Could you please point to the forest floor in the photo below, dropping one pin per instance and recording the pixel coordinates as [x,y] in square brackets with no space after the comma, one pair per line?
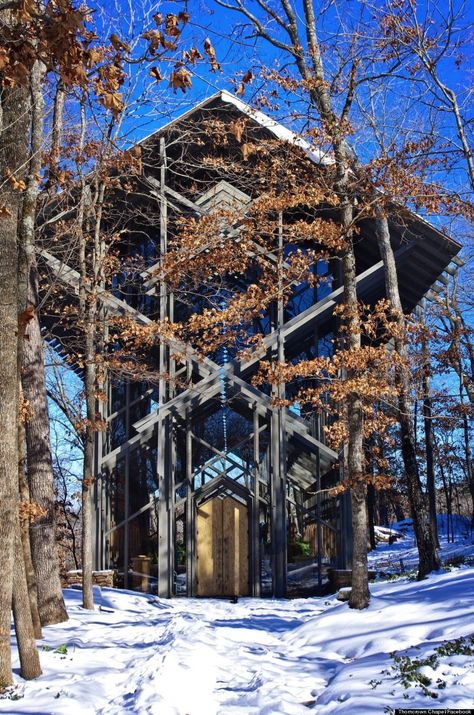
[139,654]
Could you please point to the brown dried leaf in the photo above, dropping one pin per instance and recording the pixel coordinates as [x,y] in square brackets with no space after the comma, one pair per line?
[210,52]
[118,44]
[172,25]
[113,101]
[16,184]
[180,79]
[30,511]
[4,59]
[156,74]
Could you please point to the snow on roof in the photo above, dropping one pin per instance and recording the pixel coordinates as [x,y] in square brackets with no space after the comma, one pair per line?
[280,131]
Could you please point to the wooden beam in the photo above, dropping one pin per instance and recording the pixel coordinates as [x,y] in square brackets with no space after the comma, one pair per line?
[70,277]
[166,511]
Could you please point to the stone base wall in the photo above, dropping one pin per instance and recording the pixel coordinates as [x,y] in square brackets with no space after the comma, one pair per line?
[99,578]
[341,578]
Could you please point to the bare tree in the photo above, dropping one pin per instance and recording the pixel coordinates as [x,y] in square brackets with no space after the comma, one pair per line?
[39,462]
[14,121]
[430,40]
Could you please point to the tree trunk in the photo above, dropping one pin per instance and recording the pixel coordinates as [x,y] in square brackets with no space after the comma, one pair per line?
[383,507]
[40,476]
[428,425]
[87,481]
[25,537]
[398,508]
[302,29]
[57,128]
[13,153]
[428,556]
[371,516]
[87,316]
[360,595]
[39,461]
[343,155]
[25,635]
[8,422]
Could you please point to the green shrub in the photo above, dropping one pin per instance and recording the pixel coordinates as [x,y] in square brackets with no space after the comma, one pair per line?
[298,548]
[458,646]
[409,668]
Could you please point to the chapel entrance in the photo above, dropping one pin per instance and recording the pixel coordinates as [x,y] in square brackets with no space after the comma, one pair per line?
[222,548]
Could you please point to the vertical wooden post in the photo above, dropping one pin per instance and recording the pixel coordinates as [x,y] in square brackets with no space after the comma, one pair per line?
[190,520]
[165,474]
[98,491]
[97,511]
[278,454]
[255,514]
[127,513]
[97,539]
[318,504]
[278,510]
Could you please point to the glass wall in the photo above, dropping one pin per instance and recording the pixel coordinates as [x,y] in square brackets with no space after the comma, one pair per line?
[132,505]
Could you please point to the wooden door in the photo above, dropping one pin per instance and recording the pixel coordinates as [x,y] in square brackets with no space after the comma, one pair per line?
[222,548]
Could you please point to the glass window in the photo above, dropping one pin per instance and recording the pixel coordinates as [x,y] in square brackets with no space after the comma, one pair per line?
[118,431]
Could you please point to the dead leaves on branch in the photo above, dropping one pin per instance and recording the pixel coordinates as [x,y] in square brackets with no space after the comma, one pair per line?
[378,480]
[401,174]
[96,425]
[180,79]
[25,410]
[365,374]
[246,79]
[30,511]
[16,184]
[156,74]
[118,44]
[211,54]
[57,34]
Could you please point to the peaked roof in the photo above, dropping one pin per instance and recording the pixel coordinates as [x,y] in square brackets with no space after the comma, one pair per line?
[425,228]
[266,122]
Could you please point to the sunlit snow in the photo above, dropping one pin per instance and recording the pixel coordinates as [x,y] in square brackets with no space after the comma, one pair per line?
[140,654]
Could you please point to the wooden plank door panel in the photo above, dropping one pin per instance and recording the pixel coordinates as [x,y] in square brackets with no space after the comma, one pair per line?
[209,548]
[236,549]
[222,548]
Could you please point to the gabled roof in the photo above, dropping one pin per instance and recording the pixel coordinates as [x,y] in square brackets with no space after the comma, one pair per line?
[283,133]
[266,122]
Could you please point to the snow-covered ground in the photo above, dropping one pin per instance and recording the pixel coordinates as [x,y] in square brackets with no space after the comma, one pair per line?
[402,555]
[138,654]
